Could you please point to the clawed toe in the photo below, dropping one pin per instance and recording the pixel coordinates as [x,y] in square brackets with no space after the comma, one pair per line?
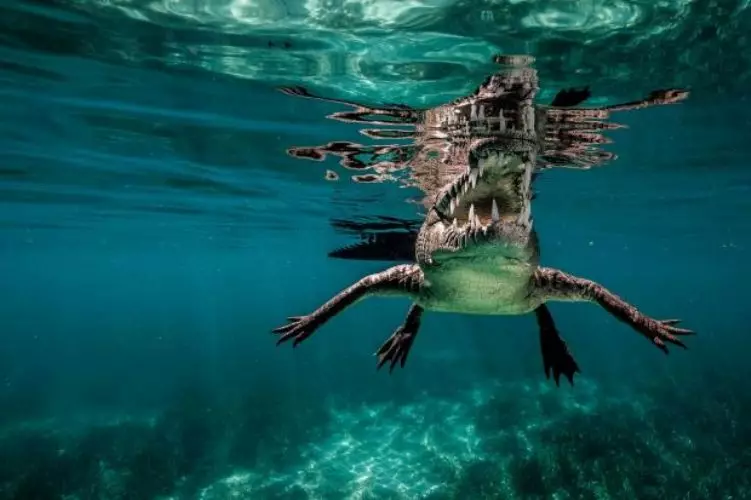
[673,321]
[662,331]
[669,325]
[395,349]
[297,327]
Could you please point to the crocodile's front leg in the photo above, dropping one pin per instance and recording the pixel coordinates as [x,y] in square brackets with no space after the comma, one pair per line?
[396,348]
[362,113]
[555,353]
[552,284]
[398,280]
[655,98]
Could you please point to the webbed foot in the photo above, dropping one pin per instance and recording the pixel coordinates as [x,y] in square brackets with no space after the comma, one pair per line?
[556,356]
[397,347]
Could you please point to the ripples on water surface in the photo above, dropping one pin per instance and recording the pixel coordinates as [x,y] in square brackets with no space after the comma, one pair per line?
[153,230]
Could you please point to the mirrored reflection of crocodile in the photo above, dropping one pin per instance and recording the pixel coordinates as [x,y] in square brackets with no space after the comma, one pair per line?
[571,138]
[476,251]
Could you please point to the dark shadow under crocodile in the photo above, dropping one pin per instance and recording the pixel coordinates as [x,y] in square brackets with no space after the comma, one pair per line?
[476,251]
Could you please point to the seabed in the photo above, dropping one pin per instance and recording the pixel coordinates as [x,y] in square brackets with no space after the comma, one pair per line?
[497,440]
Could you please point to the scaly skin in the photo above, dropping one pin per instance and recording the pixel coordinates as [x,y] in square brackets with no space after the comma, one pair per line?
[476,251]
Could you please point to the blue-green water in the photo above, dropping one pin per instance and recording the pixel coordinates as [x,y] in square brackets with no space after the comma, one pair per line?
[153,232]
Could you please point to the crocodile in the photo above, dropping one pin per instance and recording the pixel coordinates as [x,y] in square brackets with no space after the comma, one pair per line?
[476,251]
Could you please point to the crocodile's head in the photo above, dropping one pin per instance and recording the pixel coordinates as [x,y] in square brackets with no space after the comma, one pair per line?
[489,203]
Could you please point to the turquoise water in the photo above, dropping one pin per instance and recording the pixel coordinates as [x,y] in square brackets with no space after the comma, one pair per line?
[154,230]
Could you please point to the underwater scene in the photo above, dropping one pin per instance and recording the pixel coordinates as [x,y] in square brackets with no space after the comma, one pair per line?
[375,249]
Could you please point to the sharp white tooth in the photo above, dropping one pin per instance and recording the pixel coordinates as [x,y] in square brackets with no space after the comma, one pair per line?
[478,222]
[455,224]
[473,178]
[496,214]
[452,206]
[472,214]
[482,168]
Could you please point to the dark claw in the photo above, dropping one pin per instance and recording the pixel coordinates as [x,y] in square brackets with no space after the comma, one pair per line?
[382,359]
[396,348]
[673,340]
[660,344]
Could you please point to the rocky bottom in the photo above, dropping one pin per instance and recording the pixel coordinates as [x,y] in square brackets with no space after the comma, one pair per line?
[500,440]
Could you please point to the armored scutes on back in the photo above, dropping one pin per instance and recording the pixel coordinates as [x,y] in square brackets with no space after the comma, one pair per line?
[476,251]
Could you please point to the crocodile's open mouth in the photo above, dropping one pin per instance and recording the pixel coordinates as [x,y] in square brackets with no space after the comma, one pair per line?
[476,198]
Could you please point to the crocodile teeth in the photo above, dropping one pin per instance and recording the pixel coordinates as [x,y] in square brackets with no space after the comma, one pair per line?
[455,224]
[452,206]
[496,214]
[473,178]
[473,220]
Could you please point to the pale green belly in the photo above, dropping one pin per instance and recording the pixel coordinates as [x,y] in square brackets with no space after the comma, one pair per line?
[503,291]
